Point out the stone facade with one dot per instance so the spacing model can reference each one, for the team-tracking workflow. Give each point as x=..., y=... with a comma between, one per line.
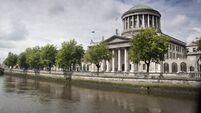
x=180, y=58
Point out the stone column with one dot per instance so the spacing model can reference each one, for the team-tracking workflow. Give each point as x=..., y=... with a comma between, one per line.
x=108, y=66
x=92, y=68
x=137, y=25
x=148, y=21
x=132, y=67
x=153, y=25
x=113, y=60
x=82, y=67
x=162, y=67
x=143, y=21
x=119, y=59
x=103, y=65
x=125, y=60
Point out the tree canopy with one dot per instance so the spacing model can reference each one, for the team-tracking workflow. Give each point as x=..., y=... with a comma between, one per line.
x=97, y=53
x=199, y=44
x=22, y=61
x=69, y=55
x=48, y=54
x=11, y=60
x=148, y=46
x=33, y=57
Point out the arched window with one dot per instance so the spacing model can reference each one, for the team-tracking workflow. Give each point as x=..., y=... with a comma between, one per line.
x=191, y=68
x=174, y=67
x=166, y=68
x=183, y=67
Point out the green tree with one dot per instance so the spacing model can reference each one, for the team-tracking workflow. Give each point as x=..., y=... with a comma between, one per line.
x=97, y=53
x=48, y=55
x=22, y=61
x=148, y=46
x=33, y=58
x=11, y=60
x=69, y=55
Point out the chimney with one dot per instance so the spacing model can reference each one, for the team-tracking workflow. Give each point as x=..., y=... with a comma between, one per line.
x=116, y=32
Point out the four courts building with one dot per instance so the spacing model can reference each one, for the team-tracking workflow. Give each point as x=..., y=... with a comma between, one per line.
x=180, y=57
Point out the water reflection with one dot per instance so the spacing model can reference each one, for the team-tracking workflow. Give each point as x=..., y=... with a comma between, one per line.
x=33, y=96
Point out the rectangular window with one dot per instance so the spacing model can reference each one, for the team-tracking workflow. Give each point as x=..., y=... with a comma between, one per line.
x=167, y=56
x=144, y=66
x=173, y=55
x=170, y=46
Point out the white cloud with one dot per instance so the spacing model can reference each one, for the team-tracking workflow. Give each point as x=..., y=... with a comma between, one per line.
x=193, y=34
x=179, y=21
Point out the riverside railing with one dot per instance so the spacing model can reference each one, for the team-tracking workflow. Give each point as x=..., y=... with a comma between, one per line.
x=126, y=75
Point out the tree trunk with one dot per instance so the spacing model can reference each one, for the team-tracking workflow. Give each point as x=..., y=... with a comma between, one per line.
x=148, y=64
x=49, y=69
x=98, y=67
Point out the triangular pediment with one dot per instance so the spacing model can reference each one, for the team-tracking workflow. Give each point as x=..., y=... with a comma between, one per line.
x=116, y=39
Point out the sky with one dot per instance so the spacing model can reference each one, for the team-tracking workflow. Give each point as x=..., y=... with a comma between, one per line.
x=29, y=23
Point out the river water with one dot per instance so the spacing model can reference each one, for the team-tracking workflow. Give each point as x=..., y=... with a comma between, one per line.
x=20, y=95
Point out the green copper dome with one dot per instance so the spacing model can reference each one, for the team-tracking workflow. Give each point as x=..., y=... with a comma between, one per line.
x=140, y=7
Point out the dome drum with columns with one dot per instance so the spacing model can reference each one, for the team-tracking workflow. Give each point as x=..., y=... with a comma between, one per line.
x=138, y=18
x=134, y=20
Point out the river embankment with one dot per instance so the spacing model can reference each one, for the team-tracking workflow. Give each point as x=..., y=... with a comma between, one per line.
x=155, y=86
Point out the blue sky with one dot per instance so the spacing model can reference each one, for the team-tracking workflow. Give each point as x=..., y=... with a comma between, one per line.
x=27, y=23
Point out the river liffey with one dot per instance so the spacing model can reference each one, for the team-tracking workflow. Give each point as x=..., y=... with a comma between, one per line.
x=20, y=95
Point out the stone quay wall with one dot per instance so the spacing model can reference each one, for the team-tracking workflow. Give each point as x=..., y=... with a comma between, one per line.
x=184, y=79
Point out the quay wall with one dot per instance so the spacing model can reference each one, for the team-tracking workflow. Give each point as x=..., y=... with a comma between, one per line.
x=181, y=86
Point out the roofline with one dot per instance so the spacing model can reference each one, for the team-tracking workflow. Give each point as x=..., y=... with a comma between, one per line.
x=177, y=41
x=118, y=37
